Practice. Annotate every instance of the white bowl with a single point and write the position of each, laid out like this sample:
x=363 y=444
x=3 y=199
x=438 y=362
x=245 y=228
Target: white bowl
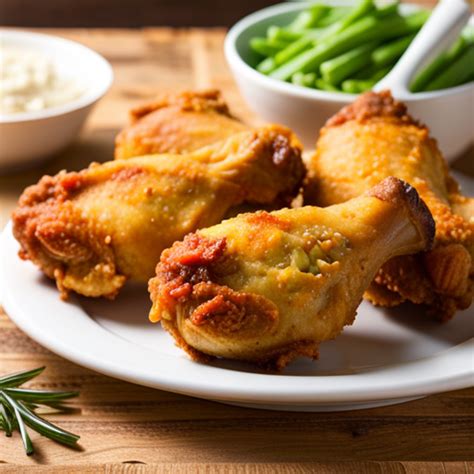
x=449 y=113
x=31 y=136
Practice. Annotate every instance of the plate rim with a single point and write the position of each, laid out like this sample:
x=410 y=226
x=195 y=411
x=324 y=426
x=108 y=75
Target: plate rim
x=446 y=370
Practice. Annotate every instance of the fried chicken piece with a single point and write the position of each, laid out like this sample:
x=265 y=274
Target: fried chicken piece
x=177 y=123
x=374 y=138
x=94 y=229
x=268 y=287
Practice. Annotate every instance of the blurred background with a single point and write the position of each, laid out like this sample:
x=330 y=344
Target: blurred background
x=129 y=13
x=125 y=13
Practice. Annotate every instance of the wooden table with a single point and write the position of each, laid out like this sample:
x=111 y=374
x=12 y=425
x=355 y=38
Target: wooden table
x=124 y=426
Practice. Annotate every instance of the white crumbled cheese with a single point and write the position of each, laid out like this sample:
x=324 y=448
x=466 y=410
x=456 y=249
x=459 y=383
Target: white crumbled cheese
x=30 y=82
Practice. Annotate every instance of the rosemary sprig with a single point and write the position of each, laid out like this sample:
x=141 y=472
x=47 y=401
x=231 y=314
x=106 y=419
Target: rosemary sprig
x=18 y=405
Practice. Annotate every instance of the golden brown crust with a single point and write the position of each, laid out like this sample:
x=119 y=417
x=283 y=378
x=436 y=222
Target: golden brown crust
x=279 y=155
x=291 y=352
x=187 y=275
x=177 y=123
x=195 y=101
x=374 y=138
x=448 y=267
x=228 y=311
x=93 y=229
x=371 y=105
x=274 y=363
x=54 y=235
x=380 y=295
x=405 y=279
x=268 y=288
x=396 y=191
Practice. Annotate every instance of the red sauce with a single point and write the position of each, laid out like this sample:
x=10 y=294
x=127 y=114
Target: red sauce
x=185 y=264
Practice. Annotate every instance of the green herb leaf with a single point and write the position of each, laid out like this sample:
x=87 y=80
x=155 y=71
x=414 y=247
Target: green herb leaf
x=6 y=421
x=42 y=426
x=39 y=396
x=13 y=380
x=27 y=444
x=18 y=406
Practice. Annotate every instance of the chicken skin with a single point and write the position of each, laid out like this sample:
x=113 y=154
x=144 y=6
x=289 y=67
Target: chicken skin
x=177 y=123
x=268 y=287
x=374 y=138
x=94 y=229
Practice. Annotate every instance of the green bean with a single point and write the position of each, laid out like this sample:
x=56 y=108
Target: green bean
x=468 y=34
x=324 y=86
x=317 y=34
x=310 y=79
x=279 y=33
x=352 y=15
x=458 y=72
x=372 y=72
x=382 y=72
x=305 y=80
x=335 y=14
x=341 y=67
x=350 y=86
x=283 y=35
x=387 y=10
x=366 y=72
x=266 y=47
x=427 y=75
x=359 y=11
x=310 y=60
x=354 y=86
x=266 y=66
x=306 y=40
x=354 y=47
x=362 y=8
x=298 y=78
x=308 y=18
x=390 y=52
x=366 y=29
x=293 y=50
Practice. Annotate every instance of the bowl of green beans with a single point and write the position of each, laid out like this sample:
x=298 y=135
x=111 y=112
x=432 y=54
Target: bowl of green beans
x=298 y=63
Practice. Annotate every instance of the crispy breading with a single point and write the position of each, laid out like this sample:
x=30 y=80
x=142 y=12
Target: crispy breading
x=269 y=287
x=92 y=230
x=374 y=138
x=177 y=123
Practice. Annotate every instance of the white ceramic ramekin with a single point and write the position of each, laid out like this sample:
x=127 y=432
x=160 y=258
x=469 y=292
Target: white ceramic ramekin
x=32 y=136
x=449 y=113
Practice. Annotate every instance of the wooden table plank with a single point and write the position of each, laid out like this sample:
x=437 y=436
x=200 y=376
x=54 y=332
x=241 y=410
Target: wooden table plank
x=370 y=467
x=122 y=424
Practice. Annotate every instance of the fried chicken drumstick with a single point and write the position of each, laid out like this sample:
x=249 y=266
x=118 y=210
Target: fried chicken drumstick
x=374 y=138
x=177 y=123
x=268 y=287
x=94 y=229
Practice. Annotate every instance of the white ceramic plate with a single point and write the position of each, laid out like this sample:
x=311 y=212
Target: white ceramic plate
x=387 y=357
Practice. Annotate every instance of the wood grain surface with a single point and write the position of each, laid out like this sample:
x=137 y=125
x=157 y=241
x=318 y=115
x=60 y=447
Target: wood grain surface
x=127 y=428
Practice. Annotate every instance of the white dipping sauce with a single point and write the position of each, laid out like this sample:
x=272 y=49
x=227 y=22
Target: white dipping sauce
x=29 y=82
